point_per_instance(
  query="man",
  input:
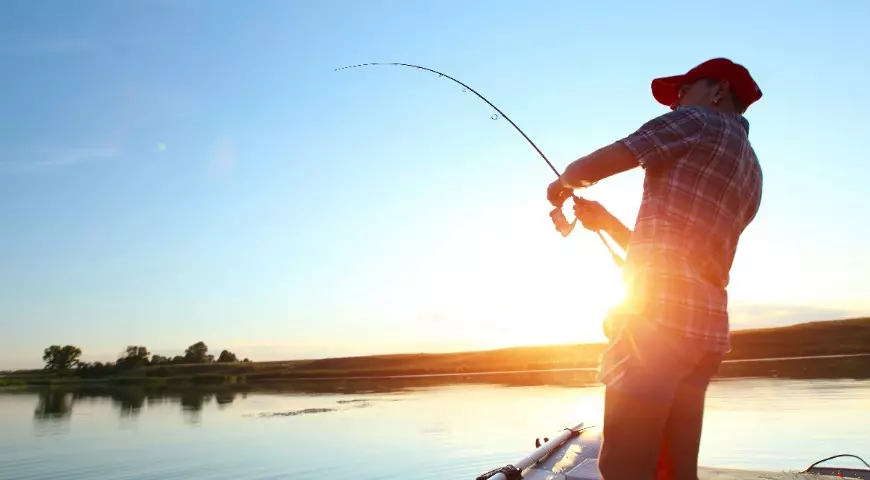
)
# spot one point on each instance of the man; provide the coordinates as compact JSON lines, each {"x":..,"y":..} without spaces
{"x":702,"y":188}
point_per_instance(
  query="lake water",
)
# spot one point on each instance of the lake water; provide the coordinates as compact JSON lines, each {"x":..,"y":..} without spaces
{"x":439,"y":432}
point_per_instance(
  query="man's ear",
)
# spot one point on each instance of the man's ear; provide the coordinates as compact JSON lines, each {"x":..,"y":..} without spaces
{"x":723,"y":89}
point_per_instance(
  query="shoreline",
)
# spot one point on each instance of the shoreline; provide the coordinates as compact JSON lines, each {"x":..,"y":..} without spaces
{"x":846,"y":366}
{"x":578,"y":369}
{"x":828,"y":349}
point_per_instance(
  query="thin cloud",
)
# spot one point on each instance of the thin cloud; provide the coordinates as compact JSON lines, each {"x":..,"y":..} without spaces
{"x":48,"y":158}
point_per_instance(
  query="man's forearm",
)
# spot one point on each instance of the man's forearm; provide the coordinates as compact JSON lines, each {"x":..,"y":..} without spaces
{"x":618,"y":232}
{"x":598,"y":165}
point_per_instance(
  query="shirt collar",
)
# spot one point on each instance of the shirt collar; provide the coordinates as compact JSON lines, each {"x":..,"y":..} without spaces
{"x":743,"y":121}
{"x":740,"y":118}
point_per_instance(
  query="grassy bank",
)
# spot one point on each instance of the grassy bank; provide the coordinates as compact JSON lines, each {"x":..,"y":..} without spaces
{"x":841,"y":337}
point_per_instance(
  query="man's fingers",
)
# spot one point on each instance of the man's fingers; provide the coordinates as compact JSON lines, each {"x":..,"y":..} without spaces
{"x":557,"y":196}
{"x":581,"y":209}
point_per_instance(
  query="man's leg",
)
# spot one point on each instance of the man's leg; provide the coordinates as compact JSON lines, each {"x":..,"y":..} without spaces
{"x":631,"y":436}
{"x":682,"y":436}
{"x":642,"y":373}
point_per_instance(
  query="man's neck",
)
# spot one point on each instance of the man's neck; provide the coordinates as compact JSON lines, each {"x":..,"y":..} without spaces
{"x":726,"y":110}
{"x":725,"y":107}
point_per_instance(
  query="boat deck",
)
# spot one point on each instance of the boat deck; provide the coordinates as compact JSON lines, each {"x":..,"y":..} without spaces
{"x":577,"y":459}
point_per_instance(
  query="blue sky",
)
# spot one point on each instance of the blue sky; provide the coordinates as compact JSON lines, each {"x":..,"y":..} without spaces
{"x":181,"y":171}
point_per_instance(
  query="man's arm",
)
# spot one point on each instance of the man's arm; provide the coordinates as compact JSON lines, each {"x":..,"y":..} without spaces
{"x":656,"y":143}
{"x":598,"y":165}
{"x":618,"y":232}
{"x":595,"y":217}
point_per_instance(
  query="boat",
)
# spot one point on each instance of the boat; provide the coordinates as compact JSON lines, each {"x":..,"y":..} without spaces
{"x":573,"y":455}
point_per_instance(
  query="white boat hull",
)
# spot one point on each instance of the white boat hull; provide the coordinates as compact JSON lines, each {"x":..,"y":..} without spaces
{"x":575,"y":457}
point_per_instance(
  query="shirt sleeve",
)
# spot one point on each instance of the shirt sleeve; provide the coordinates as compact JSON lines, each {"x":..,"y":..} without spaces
{"x":665,"y":138}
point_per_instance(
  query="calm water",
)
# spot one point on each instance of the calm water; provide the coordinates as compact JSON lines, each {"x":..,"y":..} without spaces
{"x":416,"y":433}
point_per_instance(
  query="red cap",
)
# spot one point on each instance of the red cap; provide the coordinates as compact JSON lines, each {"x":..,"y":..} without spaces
{"x":665,"y":89}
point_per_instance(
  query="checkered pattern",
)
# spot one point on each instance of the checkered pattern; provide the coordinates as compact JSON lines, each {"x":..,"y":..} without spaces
{"x":702,"y":187}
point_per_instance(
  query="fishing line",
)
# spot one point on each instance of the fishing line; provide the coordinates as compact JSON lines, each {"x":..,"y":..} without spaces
{"x":556,"y":215}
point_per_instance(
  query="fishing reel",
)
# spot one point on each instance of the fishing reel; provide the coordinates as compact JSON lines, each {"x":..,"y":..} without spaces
{"x":560,"y":221}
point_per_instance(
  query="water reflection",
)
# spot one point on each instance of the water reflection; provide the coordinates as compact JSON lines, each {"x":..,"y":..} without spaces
{"x":224,"y":398}
{"x":54,"y":405}
{"x":128,"y":402}
{"x":566,"y":378}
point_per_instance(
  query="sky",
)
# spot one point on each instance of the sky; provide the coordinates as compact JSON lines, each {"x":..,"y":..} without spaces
{"x":172,"y":172}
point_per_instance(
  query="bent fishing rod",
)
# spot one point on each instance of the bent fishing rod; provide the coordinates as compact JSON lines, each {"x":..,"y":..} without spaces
{"x":556,"y":214}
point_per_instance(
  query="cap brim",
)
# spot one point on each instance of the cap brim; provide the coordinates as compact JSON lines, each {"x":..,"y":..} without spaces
{"x":666,"y":89}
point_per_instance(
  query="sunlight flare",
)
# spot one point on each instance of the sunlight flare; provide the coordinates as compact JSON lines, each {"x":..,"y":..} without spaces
{"x":519,"y":286}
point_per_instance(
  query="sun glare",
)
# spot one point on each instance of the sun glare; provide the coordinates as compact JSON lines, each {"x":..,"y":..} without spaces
{"x":525,"y":286}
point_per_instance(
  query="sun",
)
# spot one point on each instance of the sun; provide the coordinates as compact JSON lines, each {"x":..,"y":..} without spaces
{"x":523,"y":286}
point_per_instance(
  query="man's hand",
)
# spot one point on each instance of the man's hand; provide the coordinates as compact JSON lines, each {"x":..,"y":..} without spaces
{"x":558,"y":192}
{"x":592,"y":215}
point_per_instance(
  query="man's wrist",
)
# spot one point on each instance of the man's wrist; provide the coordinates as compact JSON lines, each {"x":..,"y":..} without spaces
{"x":575,"y":175}
{"x":609,"y":222}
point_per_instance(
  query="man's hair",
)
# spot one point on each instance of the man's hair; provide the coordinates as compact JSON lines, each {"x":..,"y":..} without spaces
{"x":735,"y":100}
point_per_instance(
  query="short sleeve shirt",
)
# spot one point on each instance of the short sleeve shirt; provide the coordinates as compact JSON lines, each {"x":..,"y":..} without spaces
{"x":702,"y":188}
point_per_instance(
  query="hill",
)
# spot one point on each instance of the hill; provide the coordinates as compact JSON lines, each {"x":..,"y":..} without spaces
{"x":836,"y":337}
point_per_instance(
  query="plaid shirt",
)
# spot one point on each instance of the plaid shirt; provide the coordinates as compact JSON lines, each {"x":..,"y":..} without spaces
{"x":702,"y":187}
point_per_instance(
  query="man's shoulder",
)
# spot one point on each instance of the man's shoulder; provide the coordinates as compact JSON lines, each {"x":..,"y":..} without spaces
{"x":679,"y":118}
{"x":665,"y":138}
{"x":724,"y":135}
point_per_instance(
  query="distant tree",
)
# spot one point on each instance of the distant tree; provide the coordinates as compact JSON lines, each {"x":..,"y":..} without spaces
{"x":138,"y":351}
{"x":94,"y":369}
{"x":159,"y":360}
{"x":177,"y":360}
{"x":134,"y":356}
{"x":246,"y":360}
{"x":196,"y":353}
{"x":59,"y":359}
{"x":227,"y":356}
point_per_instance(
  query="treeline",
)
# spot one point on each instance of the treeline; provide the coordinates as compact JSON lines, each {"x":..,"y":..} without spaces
{"x":66,"y":359}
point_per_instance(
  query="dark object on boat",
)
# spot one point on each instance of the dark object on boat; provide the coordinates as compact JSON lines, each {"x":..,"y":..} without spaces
{"x":840,"y":471}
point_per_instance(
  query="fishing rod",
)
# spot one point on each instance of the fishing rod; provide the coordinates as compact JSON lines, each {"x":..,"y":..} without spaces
{"x":557,"y":216}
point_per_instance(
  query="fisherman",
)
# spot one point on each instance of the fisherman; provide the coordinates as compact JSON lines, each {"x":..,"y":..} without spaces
{"x":702,"y":188}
